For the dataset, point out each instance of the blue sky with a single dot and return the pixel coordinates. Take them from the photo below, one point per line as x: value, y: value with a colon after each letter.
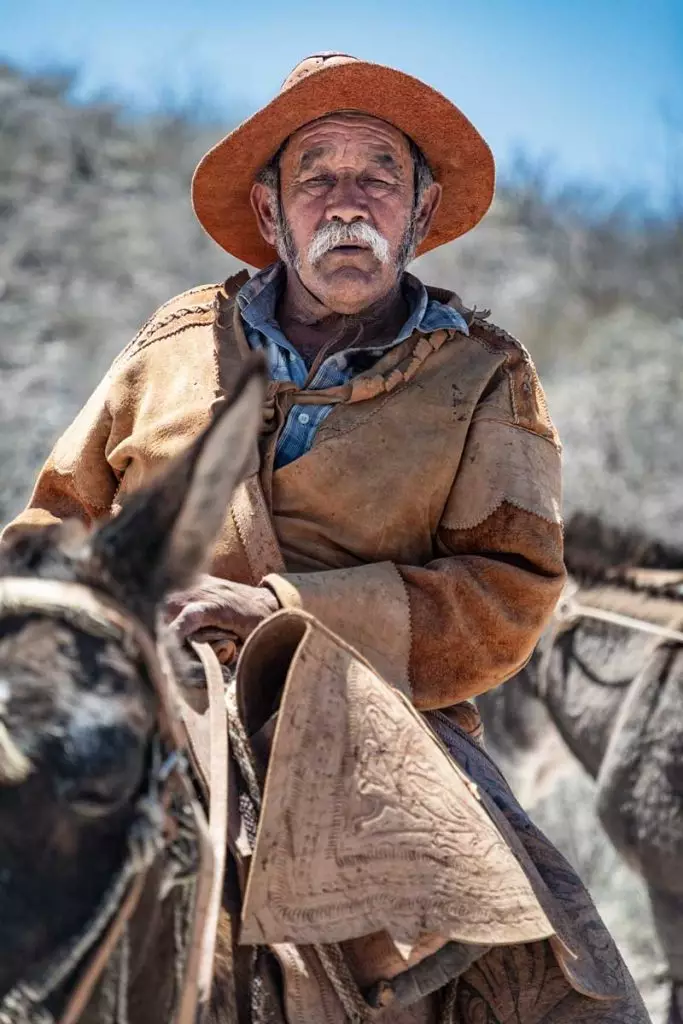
x: 589, y: 82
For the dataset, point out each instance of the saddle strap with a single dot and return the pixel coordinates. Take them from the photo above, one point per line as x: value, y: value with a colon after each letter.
x: 198, y: 979
x: 209, y: 751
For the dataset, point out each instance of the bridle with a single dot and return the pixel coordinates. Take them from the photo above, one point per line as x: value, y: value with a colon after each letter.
x: 166, y: 815
x: 569, y: 611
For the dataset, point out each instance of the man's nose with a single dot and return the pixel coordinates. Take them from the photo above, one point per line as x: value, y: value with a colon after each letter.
x: 347, y: 203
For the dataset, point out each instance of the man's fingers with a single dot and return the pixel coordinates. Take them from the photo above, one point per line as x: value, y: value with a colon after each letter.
x: 193, y: 617
x: 217, y: 604
x: 195, y: 595
x: 174, y: 603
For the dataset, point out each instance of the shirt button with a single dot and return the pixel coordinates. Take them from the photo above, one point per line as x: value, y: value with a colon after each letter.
x: 303, y: 417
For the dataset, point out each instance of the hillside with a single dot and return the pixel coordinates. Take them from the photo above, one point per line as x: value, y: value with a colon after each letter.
x: 96, y: 230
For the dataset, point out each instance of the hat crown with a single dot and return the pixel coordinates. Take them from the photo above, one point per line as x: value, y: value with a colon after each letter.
x: 316, y: 62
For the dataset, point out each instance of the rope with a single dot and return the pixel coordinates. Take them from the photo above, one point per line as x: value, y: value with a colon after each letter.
x: 344, y: 984
x: 40, y: 990
x: 569, y: 610
x: 447, y: 1015
x: 180, y: 931
x: 123, y: 978
x: 239, y: 743
x: 17, y: 1007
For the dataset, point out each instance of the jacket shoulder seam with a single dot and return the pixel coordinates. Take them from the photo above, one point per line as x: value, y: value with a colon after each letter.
x: 513, y: 425
x: 176, y: 298
x: 497, y: 339
x: 527, y: 399
x: 158, y: 329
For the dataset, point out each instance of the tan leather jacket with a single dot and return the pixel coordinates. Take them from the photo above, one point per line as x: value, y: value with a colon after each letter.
x: 423, y: 526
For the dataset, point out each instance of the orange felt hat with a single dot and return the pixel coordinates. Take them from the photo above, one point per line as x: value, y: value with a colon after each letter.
x: 458, y: 156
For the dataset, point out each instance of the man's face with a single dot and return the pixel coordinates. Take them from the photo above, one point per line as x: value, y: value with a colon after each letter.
x: 347, y: 221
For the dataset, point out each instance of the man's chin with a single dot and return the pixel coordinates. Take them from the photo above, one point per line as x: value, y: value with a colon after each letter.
x: 349, y: 293
x: 347, y: 287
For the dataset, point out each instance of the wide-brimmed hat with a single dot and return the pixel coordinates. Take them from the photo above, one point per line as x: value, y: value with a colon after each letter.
x: 458, y: 156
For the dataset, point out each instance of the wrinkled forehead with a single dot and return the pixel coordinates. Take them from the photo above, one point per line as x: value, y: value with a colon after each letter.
x: 338, y: 131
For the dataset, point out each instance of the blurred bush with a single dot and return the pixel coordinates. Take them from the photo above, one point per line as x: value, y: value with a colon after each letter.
x: 96, y: 230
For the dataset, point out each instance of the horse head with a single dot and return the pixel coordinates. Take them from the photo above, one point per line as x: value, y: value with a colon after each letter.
x: 77, y: 712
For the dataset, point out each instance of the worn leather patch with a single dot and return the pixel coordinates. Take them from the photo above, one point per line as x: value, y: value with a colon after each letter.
x: 503, y: 462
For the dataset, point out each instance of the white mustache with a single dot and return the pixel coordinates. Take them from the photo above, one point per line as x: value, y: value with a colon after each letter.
x: 336, y: 233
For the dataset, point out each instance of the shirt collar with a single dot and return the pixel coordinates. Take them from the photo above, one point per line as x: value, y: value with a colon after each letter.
x: 257, y: 301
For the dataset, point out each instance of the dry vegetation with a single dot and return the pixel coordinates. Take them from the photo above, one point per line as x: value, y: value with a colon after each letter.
x: 96, y: 230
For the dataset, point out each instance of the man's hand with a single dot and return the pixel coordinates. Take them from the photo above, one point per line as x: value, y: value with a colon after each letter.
x: 219, y: 604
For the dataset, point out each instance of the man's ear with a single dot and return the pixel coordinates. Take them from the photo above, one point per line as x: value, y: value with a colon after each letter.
x: 429, y: 204
x: 264, y: 204
x: 165, y: 534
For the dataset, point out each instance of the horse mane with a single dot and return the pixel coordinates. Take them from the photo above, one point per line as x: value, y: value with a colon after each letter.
x: 598, y: 552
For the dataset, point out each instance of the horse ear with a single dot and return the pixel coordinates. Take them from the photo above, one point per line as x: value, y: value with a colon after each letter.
x: 164, y: 534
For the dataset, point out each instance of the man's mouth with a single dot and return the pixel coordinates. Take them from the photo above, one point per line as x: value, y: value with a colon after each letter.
x: 351, y: 248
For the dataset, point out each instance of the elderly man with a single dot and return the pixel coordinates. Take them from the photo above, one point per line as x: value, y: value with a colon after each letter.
x: 409, y: 464
x: 408, y: 492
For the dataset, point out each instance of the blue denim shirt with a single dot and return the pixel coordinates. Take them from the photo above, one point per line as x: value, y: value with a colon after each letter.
x: 257, y: 302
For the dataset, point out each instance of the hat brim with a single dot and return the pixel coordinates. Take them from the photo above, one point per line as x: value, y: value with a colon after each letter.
x: 460, y: 159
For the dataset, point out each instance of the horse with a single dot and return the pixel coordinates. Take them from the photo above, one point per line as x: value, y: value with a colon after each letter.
x: 103, y: 860
x: 609, y: 672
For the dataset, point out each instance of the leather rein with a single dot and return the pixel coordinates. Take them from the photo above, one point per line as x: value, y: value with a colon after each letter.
x: 164, y: 809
